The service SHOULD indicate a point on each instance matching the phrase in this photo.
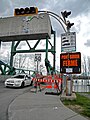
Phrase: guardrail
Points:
(3, 78)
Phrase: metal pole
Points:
(57, 17)
(46, 58)
(53, 14)
(37, 66)
(46, 48)
(54, 57)
(0, 43)
(12, 50)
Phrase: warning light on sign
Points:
(25, 11)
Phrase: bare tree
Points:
(24, 61)
(88, 64)
(84, 65)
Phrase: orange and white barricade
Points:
(52, 82)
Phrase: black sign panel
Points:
(70, 63)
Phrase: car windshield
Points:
(18, 76)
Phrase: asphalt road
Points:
(7, 95)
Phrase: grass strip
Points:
(81, 105)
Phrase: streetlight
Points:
(57, 17)
(65, 14)
(69, 25)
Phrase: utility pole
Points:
(65, 15)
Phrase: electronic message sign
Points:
(70, 63)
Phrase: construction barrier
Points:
(51, 82)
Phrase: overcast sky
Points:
(80, 17)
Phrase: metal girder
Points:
(50, 69)
(31, 49)
(34, 49)
(5, 69)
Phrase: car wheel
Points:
(6, 86)
(22, 85)
(31, 83)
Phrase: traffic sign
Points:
(70, 63)
(37, 57)
(68, 42)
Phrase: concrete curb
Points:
(63, 96)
